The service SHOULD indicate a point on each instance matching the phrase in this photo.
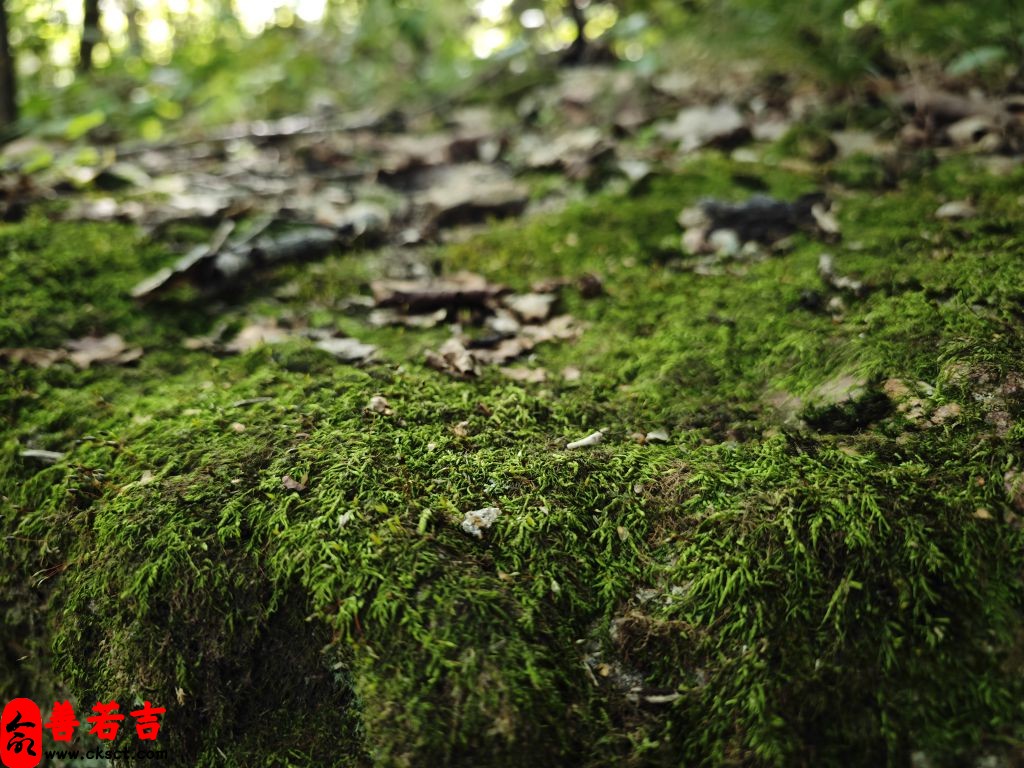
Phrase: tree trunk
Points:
(8, 86)
(90, 34)
(131, 12)
(576, 51)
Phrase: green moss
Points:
(793, 594)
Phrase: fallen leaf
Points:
(405, 151)
(388, 316)
(98, 209)
(941, 104)
(558, 328)
(571, 373)
(572, 152)
(360, 219)
(255, 335)
(463, 289)
(635, 171)
(956, 209)
(980, 132)
(101, 349)
(760, 219)
(453, 358)
(678, 83)
(525, 375)
(222, 264)
(469, 192)
(503, 323)
(503, 351)
(725, 242)
(531, 307)
(346, 349)
(827, 272)
(34, 356)
(695, 127)
(852, 142)
(771, 127)
(825, 219)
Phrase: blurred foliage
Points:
(194, 63)
(846, 40)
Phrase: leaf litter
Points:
(83, 353)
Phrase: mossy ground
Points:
(815, 597)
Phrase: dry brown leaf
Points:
(571, 373)
(463, 289)
(531, 307)
(453, 358)
(101, 349)
(34, 356)
(525, 375)
(469, 192)
(559, 328)
(571, 151)
(388, 316)
(695, 127)
(406, 151)
(347, 349)
(504, 351)
(255, 335)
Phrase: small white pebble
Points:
(478, 520)
(379, 404)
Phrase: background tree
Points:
(90, 34)
(8, 91)
(574, 55)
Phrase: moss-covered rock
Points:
(761, 589)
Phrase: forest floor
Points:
(631, 478)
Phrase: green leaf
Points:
(976, 58)
(80, 125)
